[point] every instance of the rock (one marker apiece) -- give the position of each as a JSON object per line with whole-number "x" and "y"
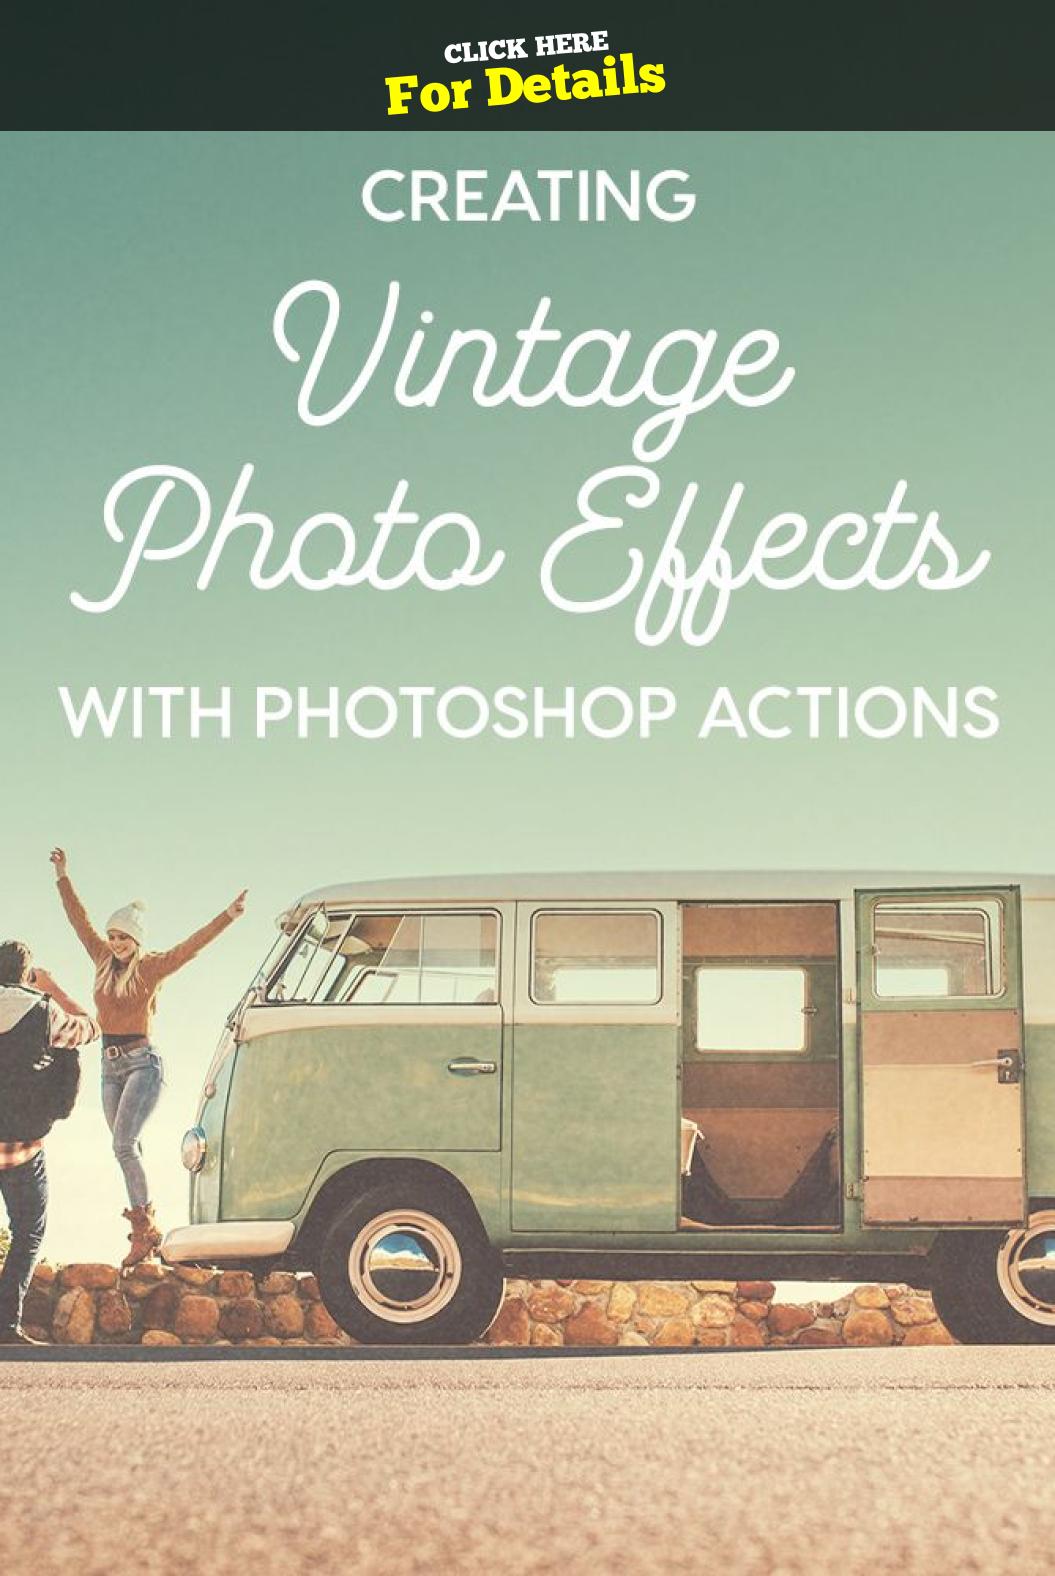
{"x": 265, "y": 1340}
{"x": 159, "y": 1308}
{"x": 661, "y": 1301}
{"x": 113, "y": 1315}
{"x": 43, "y": 1276}
{"x": 89, "y": 1277}
{"x": 242, "y": 1318}
{"x": 308, "y": 1288}
{"x": 868, "y": 1327}
{"x": 752, "y": 1310}
{"x": 713, "y": 1312}
{"x": 756, "y": 1291}
{"x": 296, "y": 1340}
{"x": 674, "y": 1332}
{"x": 278, "y": 1284}
{"x": 871, "y": 1297}
{"x": 712, "y": 1338}
{"x": 621, "y": 1302}
{"x": 928, "y": 1335}
{"x": 913, "y": 1309}
{"x": 152, "y": 1272}
{"x": 725, "y": 1288}
{"x": 784, "y": 1318}
{"x": 745, "y": 1332}
{"x": 37, "y": 1308}
{"x": 551, "y": 1304}
{"x": 284, "y": 1316}
{"x": 38, "y": 1332}
{"x": 197, "y": 1317}
{"x": 194, "y": 1275}
{"x": 236, "y": 1283}
{"x": 511, "y": 1326}
{"x": 818, "y": 1335}
{"x": 590, "y": 1327}
{"x": 319, "y": 1325}
{"x": 590, "y": 1288}
{"x": 73, "y": 1323}
{"x": 632, "y": 1338}
{"x": 139, "y": 1284}
{"x": 545, "y": 1335}
{"x": 160, "y": 1338}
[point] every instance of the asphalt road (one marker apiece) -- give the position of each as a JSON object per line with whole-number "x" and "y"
{"x": 935, "y": 1460}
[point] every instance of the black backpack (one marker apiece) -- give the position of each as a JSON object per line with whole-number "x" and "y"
{"x": 38, "y": 1083}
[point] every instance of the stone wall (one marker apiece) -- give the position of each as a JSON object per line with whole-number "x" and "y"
{"x": 92, "y": 1304}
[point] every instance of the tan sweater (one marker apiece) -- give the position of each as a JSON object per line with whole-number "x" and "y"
{"x": 131, "y": 1014}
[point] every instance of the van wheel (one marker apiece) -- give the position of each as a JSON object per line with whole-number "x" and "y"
{"x": 409, "y": 1266}
{"x": 995, "y": 1289}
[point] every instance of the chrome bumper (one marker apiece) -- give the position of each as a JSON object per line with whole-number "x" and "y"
{"x": 227, "y": 1239}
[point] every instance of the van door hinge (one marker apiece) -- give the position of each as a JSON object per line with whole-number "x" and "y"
{"x": 855, "y": 1190}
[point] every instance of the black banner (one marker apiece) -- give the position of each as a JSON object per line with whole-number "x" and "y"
{"x": 573, "y": 67}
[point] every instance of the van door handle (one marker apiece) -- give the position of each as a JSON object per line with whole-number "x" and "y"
{"x": 466, "y": 1066}
{"x": 1007, "y": 1063}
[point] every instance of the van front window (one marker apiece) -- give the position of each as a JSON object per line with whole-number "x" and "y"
{"x": 398, "y": 959}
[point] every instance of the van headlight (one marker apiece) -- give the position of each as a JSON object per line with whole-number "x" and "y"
{"x": 192, "y": 1149}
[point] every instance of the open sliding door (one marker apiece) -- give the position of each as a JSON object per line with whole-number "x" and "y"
{"x": 940, "y": 1043}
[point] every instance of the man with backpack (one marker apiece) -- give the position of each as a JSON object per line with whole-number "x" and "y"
{"x": 39, "y": 1027}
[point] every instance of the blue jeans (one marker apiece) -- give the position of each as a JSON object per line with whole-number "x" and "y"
{"x": 132, "y": 1084}
{"x": 25, "y": 1192}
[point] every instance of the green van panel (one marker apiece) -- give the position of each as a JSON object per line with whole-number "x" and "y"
{"x": 1039, "y": 1084}
{"x": 596, "y": 1122}
{"x": 205, "y": 1184}
{"x": 297, "y": 1096}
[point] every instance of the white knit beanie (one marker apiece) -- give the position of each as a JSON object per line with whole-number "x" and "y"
{"x": 131, "y": 920}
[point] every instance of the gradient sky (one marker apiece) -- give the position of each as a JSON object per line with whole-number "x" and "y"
{"x": 910, "y": 280}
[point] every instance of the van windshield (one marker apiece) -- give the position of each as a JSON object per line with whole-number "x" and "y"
{"x": 399, "y": 958}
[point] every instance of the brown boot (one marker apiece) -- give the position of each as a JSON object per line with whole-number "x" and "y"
{"x": 144, "y": 1236}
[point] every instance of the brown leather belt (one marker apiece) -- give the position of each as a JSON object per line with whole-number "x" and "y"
{"x": 112, "y": 1052}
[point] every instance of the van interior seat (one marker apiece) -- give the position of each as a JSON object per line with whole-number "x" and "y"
{"x": 811, "y": 1200}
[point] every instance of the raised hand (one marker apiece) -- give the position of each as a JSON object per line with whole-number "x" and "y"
{"x": 58, "y": 859}
{"x": 237, "y": 908}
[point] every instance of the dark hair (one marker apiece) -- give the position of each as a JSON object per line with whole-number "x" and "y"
{"x": 15, "y": 959}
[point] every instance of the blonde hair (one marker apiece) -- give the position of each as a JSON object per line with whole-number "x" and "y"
{"x": 113, "y": 978}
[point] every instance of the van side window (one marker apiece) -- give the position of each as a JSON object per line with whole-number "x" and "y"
{"x": 753, "y": 1008}
{"x": 595, "y": 958}
{"x": 401, "y": 959}
{"x": 939, "y": 948}
{"x": 425, "y": 959}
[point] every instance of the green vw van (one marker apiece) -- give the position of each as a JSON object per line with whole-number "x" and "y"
{"x": 433, "y": 1083}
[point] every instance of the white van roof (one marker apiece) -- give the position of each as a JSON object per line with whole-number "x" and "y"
{"x": 654, "y": 885}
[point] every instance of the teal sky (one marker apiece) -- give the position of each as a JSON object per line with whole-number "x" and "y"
{"x": 910, "y": 281}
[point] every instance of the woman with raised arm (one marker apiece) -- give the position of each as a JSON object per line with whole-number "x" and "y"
{"x": 127, "y": 981}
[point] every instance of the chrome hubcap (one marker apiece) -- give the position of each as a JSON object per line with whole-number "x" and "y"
{"x": 404, "y": 1266}
{"x": 1025, "y": 1269}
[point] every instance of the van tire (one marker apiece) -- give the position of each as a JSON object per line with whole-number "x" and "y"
{"x": 975, "y": 1296}
{"x": 452, "y": 1268}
